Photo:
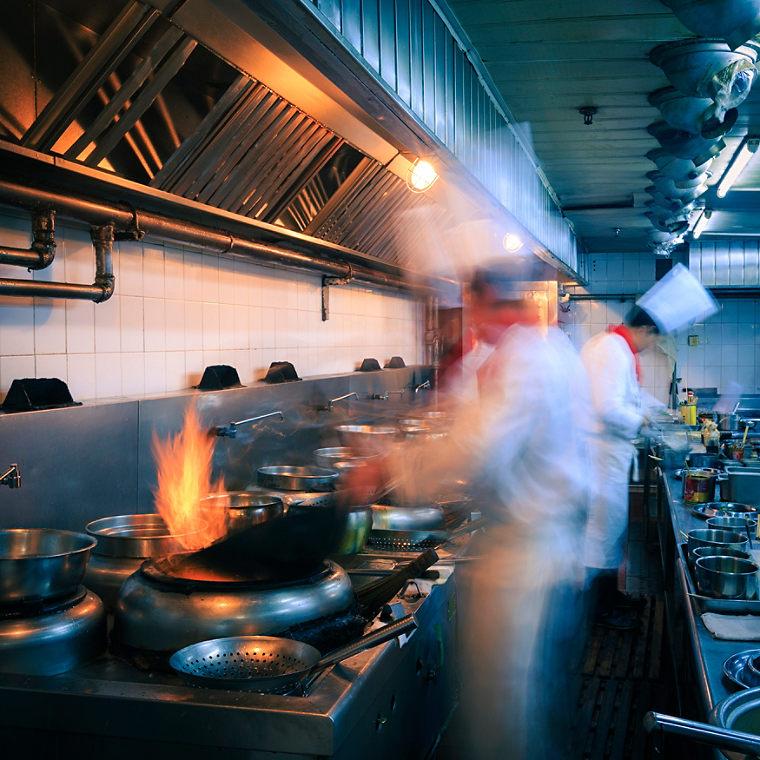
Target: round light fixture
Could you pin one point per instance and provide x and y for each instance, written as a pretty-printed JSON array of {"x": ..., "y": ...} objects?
[
  {"x": 512, "y": 242},
  {"x": 421, "y": 176}
]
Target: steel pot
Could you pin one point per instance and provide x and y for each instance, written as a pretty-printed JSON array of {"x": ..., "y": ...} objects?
[
  {"x": 740, "y": 523},
  {"x": 244, "y": 508},
  {"x": 368, "y": 439},
  {"x": 389, "y": 517},
  {"x": 730, "y": 422},
  {"x": 357, "y": 528},
  {"x": 719, "y": 551},
  {"x": 295, "y": 478},
  {"x": 38, "y": 563},
  {"x": 727, "y": 577},
  {"x": 704, "y": 461},
  {"x": 334, "y": 455},
  {"x": 711, "y": 537},
  {"x": 124, "y": 542}
]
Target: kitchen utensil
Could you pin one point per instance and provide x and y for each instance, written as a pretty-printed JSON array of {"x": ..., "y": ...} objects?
[
  {"x": 698, "y": 486},
  {"x": 39, "y": 563},
  {"x": 244, "y": 508},
  {"x": 329, "y": 457},
  {"x": 736, "y": 670},
  {"x": 136, "y": 536},
  {"x": 740, "y": 523},
  {"x": 390, "y": 517},
  {"x": 416, "y": 540},
  {"x": 727, "y": 577},
  {"x": 743, "y": 485},
  {"x": 718, "y": 551},
  {"x": 296, "y": 478},
  {"x": 123, "y": 543},
  {"x": 752, "y": 669},
  {"x": 723, "y": 509},
  {"x": 703, "y": 461},
  {"x": 268, "y": 664},
  {"x": 368, "y": 439},
  {"x": 291, "y": 545},
  {"x": 712, "y": 537},
  {"x": 715, "y": 736}
]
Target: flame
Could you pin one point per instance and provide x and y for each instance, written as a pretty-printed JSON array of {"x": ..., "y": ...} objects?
[{"x": 184, "y": 480}]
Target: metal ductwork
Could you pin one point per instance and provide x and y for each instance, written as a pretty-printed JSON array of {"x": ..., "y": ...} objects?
[
  {"x": 690, "y": 114},
  {"x": 672, "y": 166},
  {"x": 674, "y": 186},
  {"x": 736, "y": 21},
  {"x": 139, "y": 97},
  {"x": 692, "y": 147},
  {"x": 708, "y": 68}
]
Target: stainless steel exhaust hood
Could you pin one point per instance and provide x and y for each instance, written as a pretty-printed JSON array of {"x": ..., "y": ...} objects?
[{"x": 141, "y": 98}]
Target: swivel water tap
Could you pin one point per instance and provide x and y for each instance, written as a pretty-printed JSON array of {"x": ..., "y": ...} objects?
[
  {"x": 421, "y": 386},
  {"x": 329, "y": 405},
  {"x": 230, "y": 431},
  {"x": 11, "y": 478}
]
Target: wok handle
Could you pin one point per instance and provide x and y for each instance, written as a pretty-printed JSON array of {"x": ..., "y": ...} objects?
[
  {"x": 704, "y": 732},
  {"x": 381, "y": 635}
]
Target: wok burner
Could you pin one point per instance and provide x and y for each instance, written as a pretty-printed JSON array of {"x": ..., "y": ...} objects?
[
  {"x": 173, "y": 602},
  {"x": 53, "y": 635}
]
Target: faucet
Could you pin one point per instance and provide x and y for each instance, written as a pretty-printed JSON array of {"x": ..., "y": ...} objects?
[
  {"x": 421, "y": 386},
  {"x": 230, "y": 431},
  {"x": 329, "y": 405},
  {"x": 11, "y": 478}
]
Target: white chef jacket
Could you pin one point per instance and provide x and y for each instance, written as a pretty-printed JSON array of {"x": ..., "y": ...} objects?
[{"x": 616, "y": 399}]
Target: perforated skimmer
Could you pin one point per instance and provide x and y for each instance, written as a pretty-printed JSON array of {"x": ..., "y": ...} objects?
[{"x": 268, "y": 664}]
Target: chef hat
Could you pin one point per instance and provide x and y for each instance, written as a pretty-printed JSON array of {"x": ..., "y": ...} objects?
[{"x": 677, "y": 300}]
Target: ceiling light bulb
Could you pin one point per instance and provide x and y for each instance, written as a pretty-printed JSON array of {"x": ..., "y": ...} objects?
[
  {"x": 421, "y": 176},
  {"x": 741, "y": 159},
  {"x": 512, "y": 242},
  {"x": 701, "y": 224}
]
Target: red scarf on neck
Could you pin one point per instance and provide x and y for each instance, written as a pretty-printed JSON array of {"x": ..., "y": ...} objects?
[{"x": 625, "y": 334}]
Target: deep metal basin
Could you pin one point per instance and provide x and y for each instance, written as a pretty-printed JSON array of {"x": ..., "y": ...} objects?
[
  {"x": 727, "y": 577},
  {"x": 294, "y": 478},
  {"x": 137, "y": 536},
  {"x": 38, "y": 563}
]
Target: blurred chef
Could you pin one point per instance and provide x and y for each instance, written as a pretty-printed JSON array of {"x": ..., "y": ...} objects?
[
  {"x": 521, "y": 447},
  {"x": 612, "y": 361}
]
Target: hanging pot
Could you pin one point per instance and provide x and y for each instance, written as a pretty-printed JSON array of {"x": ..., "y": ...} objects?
[
  {"x": 675, "y": 167},
  {"x": 736, "y": 21}
]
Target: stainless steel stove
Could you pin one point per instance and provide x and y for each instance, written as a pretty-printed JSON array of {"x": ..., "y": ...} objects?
[{"x": 391, "y": 701}]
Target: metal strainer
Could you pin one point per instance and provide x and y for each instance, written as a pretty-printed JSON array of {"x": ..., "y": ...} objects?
[{"x": 268, "y": 664}]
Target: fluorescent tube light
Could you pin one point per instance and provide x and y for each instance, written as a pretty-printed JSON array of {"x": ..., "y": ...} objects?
[
  {"x": 740, "y": 160},
  {"x": 701, "y": 224}
]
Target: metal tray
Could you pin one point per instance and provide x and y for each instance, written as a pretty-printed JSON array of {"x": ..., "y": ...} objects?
[
  {"x": 712, "y": 510},
  {"x": 735, "y": 668}
]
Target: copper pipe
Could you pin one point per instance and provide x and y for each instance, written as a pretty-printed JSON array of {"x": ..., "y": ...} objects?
[
  {"x": 42, "y": 251},
  {"x": 139, "y": 223}
]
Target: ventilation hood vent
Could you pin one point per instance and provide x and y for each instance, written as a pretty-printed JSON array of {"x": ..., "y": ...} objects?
[{"x": 141, "y": 98}]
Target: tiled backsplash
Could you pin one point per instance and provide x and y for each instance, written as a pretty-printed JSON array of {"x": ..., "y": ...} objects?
[
  {"x": 727, "y": 344},
  {"x": 176, "y": 310}
]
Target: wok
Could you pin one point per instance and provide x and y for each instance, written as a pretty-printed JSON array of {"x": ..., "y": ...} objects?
[
  {"x": 268, "y": 664},
  {"x": 290, "y": 545}
]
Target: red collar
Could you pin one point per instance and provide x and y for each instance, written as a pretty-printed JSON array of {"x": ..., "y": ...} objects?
[{"x": 625, "y": 334}]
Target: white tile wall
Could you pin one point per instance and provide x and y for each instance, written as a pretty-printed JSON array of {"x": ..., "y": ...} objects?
[
  {"x": 728, "y": 343},
  {"x": 177, "y": 310}
]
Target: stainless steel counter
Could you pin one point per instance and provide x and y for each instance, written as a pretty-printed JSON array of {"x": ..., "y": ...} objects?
[
  {"x": 389, "y": 701},
  {"x": 708, "y": 653}
]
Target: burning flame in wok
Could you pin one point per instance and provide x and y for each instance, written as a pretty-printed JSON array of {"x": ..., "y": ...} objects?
[{"x": 184, "y": 480}]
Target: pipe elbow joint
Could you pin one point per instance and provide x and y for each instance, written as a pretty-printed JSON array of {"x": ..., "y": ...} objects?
[{"x": 106, "y": 283}]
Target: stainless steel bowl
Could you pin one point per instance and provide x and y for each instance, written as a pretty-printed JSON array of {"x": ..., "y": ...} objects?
[
  {"x": 39, "y": 563},
  {"x": 727, "y": 577},
  {"x": 331, "y": 456},
  {"x": 137, "y": 536},
  {"x": 296, "y": 478},
  {"x": 719, "y": 551},
  {"x": 387, "y": 517},
  {"x": 368, "y": 439},
  {"x": 713, "y": 537},
  {"x": 245, "y": 508},
  {"x": 741, "y": 523}
]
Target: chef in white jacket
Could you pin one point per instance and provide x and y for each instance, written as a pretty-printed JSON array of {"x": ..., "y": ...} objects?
[{"x": 611, "y": 359}]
